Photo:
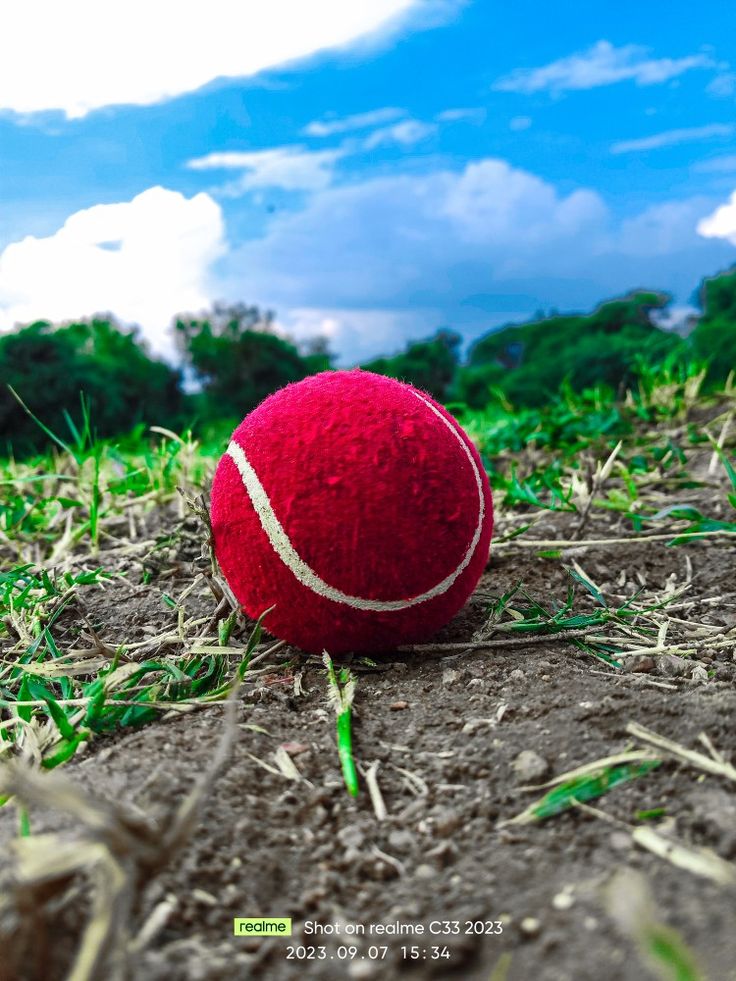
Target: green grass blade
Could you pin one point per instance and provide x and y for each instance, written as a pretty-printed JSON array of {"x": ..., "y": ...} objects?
[
  {"x": 670, "y": 953},
  {"x": 44, "y": 428},
  {"x": 341, "y": 691},
  {"x": 582, "y": 789}
]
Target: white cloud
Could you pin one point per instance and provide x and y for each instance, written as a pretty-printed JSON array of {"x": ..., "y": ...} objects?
[
  {"x": 492, "y": 201},
  {"x": 725, "y": 165},
  {"x": 680, "y": 318},
  {"x": 144, "y": 260},
  {"x": 721, "y": 223},
  {"x": 661, "y": 229},
  {"x": 361, "y": 120},
  {"x": 369, "y": 264},
  {"x": 412, "y": 248},
  {"x": 602, "y": 64},
  {"x": 362, "y": 332},
  {"x": 673, "y": 137},
  {"x": 375, "y": 263},
  {"x": 288, "y": 167},
  {"x": 80, "y": 55},
  {"x": 294, "y": 168},
  {"x": 723, "y": 86},
  {"x": 406, "y": 133},
  {"x": 519, "y": 123},
  {"x": 475, "y": 116}
]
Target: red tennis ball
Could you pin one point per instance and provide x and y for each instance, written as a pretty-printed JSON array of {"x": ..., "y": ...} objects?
[{"x": 357, "y": 507}]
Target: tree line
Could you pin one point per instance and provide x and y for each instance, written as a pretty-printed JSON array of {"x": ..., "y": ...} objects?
[{"x": 232, "y": 357}]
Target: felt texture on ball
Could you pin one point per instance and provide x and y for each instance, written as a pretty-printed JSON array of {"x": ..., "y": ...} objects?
[{"x": 355, "y": 506}]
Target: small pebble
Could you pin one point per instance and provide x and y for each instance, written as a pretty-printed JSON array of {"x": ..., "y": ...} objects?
[
  {"x": 530, "y": 926},
  {"x": 672, "y": 665},
  {"x": 398, "y": 706},
  {"x": 350, "y": 837},
  {"x": 472, "y": 725},
  {"x": 640, "y": 665},
  {"x": 400, "y": 840},
  {"x": 319, "y": 815},
  {"x": 363, "y": 969},
  {"x": 294, "y": 749},
  {"x": 530, "y": 766},
  {"x": 446, "y": 822},
  {"x": 563, "y": 900}
]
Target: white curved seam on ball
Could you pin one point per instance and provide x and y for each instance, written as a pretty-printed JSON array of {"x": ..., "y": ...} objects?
[{"x": 281, "y": 543}]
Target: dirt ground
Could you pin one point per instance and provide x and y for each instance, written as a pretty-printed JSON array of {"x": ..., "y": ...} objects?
[{"x": 446, "y": 729}]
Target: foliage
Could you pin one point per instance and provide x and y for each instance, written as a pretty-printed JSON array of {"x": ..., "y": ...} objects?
[
  {"x": 50, "y": 368},
  {"x": 238, "y": 359},
  {"x": 234, "y": 357},
  {"x": 583, "y": 788},
  {"x": 476, "y": 383},
  {"x": 714, "y": 338},
  {"x": 430, "y": 364},
  {"x": 529, "y": 362}
]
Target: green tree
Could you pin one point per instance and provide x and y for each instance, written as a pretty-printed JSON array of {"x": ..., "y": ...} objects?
[
  {"x": 49, "y": 367},
  {"x": 317, "y": 354},
  {"x": 237, "y": 359},
  {"x": 603, "y": 347},
  {"x": 430, "y": 364},
  {"x": 714, "y": 338},
  {"x": 475, "y": 382}
]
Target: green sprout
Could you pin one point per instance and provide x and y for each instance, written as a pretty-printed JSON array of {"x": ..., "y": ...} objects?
[{"x": 341, "y": 691}]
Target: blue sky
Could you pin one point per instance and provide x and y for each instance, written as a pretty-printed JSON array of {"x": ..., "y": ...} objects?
[{"x": 368, "y": 171}]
